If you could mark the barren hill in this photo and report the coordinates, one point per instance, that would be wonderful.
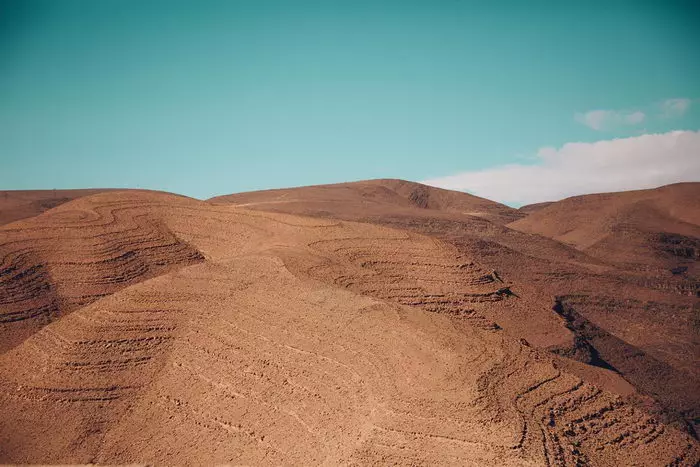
(530, 208)
(650, 228)
(20, 204)
(643, 317)
(145, 327)
(371, 198)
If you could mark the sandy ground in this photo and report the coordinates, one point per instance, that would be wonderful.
(398, 325)
(21, 204)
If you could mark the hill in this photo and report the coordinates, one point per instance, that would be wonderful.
(147, 327)
(21, 204)
(650, 310)
(656, 228)
(530, 208)
(370, 198)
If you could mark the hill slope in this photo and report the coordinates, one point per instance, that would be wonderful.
(21, 204)
(644, 316)
(653, 228)
(371, 197)
(196, 333)
(79, 252)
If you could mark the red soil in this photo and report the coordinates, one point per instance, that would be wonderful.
(392, 323)
(21, 204)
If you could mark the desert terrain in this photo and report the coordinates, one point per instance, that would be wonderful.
(377, 322)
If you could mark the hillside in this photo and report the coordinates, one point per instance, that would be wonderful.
(146, 327)
(21, 204)
(80, 252)
(530, 208)
(371, 198)
(652, 228)
(650, 312)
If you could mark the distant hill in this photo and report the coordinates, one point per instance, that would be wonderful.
(530, 208)
(657, 228)
(371, 197)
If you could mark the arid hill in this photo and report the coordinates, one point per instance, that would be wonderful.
(20, 204)
(530, 208)
(645, 317)
(372, 198)
(392, 323)
(651, 228)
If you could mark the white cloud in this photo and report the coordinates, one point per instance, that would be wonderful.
(602, 120)
(634, 118)
(644, 161)
(674, 107)
(609, 119)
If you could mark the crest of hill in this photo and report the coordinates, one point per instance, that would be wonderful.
(662, 223)
(82, 250)
(21, 204)
(371, 197)
(530, 208)
(583, 220)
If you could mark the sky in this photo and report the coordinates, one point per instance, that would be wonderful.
(516, 101)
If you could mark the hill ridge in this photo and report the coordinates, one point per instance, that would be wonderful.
(386, 324)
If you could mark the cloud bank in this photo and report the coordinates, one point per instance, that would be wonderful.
(645, 161)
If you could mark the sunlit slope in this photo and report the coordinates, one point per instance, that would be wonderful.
(634, 316)
(369, 198)
(21, 204)
(81, 251)
(652, 227)
(306, 341)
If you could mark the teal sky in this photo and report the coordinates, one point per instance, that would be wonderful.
(211, 97)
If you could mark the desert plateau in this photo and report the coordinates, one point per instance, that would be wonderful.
(381, 322)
